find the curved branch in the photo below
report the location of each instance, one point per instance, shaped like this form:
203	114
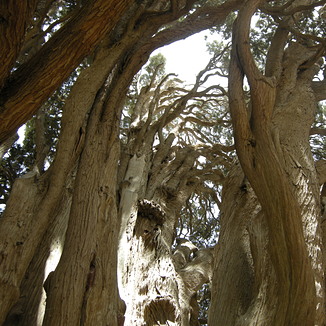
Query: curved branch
275	53
36	80
265	172
262	89
242	42
14	17
239	112
203	18
289	9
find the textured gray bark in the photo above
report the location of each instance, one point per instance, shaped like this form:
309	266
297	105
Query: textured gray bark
156	178
251	273
159	287
30	308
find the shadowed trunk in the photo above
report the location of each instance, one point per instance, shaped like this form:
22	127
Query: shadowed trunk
272	142
30	308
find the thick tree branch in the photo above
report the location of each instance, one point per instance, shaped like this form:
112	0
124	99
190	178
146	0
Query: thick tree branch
36	80
256	152
239	112
318	131
275	53
7	144
15	16
203	18
63	52
262	89
321	171
241	39
319	88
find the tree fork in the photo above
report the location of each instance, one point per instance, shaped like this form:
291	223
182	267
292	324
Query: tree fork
261	165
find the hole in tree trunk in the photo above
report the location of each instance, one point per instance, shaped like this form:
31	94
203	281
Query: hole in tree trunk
159	310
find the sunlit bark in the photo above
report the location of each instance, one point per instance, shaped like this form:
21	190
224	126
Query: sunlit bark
82	290
156	180
29	310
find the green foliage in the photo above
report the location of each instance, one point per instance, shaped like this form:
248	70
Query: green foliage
312	23
204	299
11	167
21	157
225	30
261	36
199	220
154	67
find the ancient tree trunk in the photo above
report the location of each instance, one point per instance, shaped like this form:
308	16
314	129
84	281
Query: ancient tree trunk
27	223
159	288
153	289
272	142
232	293
30	308
150	286
83	290
156	181
88	137
14	243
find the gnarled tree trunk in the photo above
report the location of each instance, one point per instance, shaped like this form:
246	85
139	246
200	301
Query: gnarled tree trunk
272	142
